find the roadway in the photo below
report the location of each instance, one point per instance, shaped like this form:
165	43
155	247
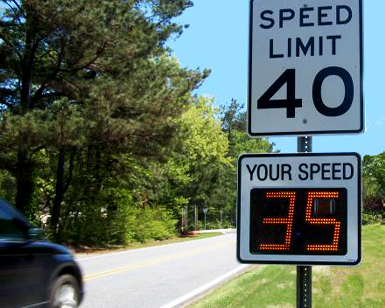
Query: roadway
160	276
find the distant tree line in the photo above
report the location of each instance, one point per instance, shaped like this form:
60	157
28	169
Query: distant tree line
374	188
102	138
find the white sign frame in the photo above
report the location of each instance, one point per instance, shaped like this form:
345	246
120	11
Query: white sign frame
319	75
353	187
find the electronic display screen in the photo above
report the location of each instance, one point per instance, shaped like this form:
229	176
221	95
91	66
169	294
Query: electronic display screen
303	221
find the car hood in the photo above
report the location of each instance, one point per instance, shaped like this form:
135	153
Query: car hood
47	247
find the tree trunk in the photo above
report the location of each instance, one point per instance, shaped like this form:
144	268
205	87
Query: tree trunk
31	45
59	190
25	183
61	186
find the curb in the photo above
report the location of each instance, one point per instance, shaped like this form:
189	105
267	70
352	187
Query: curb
224	231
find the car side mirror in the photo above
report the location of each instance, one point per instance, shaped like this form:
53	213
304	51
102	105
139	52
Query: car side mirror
35	234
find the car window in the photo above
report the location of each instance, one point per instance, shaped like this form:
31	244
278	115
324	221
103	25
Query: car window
10	228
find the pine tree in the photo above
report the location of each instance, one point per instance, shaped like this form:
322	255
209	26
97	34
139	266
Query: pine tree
81	76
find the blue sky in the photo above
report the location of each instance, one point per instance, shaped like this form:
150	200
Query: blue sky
218	39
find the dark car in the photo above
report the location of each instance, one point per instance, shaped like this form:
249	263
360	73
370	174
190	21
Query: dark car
33	271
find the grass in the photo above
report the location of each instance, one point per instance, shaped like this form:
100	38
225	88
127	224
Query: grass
274	286
88	250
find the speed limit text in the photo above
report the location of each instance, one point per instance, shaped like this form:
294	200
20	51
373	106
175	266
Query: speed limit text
306	16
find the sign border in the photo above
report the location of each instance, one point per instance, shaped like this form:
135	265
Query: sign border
359	195
251	134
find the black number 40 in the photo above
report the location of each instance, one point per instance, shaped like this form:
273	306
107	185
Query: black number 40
291	102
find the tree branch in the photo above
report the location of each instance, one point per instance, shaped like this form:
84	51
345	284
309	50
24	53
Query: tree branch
15	3
52	94
38	94
11	45
6	92
37	149
31	44
5	24
88	64
3	102
13	9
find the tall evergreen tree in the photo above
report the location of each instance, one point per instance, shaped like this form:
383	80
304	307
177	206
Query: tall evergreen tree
80	76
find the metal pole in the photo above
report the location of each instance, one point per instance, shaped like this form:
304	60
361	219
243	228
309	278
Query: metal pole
304	144
221	218
186	214
205	221
304	286
304	275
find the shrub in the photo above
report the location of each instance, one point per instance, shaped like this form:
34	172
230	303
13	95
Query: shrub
115	219
374	211
370	219
150	223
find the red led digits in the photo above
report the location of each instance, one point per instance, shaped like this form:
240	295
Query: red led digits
312	195
288	221
303	221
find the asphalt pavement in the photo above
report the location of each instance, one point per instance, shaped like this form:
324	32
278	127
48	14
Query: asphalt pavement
158	277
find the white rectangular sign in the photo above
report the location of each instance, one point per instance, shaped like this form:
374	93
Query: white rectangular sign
300	208
305	67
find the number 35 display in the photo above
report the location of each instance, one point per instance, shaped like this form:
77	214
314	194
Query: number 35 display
298	221
299	208
305	67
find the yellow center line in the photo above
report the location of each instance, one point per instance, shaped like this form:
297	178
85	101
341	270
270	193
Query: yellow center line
157	260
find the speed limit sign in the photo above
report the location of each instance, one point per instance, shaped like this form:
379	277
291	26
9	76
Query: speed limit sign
305	67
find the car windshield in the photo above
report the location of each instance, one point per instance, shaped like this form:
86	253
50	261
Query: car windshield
13	226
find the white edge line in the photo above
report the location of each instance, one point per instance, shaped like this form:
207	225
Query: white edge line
36	305
204	288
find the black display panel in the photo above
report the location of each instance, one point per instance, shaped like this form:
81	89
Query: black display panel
304	221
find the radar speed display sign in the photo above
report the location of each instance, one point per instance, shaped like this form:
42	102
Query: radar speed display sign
305	67
299	208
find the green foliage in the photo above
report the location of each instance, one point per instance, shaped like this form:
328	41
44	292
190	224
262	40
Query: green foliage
7	186
234	125
203	148
374	175
116	220
372	219
200	133
374	188
219	224
233	122
197	158
151	223
103	142
89	95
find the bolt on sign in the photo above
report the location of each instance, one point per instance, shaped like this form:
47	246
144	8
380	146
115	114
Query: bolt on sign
305	67
299	208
